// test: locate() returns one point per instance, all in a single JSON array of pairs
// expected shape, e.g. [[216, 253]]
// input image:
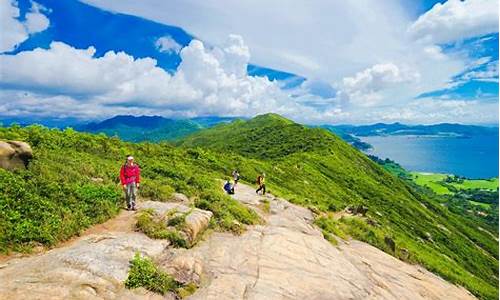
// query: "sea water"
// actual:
[[472, 157]]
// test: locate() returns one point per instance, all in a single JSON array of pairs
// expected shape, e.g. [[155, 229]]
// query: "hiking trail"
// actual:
[[284, 258]]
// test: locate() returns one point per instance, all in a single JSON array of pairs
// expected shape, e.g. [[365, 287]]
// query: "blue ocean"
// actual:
[[472, 157]]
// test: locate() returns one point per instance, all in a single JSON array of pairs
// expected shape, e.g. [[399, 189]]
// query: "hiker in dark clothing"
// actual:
[[261, 182], [228, 187], [130, 176]]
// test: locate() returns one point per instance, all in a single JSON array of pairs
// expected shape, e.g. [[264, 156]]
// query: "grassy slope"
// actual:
[[315, 168], [57, 197], [432, 180]]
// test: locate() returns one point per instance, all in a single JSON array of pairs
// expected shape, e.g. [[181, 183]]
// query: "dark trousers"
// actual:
[[262, 188]]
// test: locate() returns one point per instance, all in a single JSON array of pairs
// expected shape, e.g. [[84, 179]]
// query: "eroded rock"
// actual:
[[93, 268], [196, 220], [14, 154]]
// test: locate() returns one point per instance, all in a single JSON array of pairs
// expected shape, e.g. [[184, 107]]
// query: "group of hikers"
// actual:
[[261, 183], [130, 177]]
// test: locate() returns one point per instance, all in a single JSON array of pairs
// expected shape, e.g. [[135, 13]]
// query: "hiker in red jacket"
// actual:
[[130, 176]]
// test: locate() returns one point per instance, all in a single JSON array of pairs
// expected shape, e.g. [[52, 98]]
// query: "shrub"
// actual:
[[144, 273], [155, 227]]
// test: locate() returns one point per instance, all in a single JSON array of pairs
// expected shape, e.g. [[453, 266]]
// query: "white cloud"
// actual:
[[490, 73], [14, 31], [456, 20], [207, 82], [316, 39], [168, 45], [429, 111], [327, 40], [364, 87]]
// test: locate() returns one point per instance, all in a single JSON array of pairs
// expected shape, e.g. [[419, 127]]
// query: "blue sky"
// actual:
[[405, 61]]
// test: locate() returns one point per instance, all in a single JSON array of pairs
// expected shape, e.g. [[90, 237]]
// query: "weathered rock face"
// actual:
[[14, 154], [92, 268], [288, 258]]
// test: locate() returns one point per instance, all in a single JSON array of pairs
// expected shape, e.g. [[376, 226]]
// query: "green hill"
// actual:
[[72, 183], [314, 168]]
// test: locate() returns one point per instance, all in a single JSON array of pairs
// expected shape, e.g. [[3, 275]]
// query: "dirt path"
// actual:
[[123, 222]]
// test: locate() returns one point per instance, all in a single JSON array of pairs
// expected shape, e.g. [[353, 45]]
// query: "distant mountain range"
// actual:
[[151, 128], [157, 128]]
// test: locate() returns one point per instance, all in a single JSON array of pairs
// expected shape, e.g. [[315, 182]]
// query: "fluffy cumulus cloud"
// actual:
[[456, 20], [372, 60], [167, 44], [430, 111], [15, 31], [209, 81], [364, 88]]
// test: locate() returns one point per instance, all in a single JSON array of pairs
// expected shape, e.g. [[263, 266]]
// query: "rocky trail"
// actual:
[[285, 258]]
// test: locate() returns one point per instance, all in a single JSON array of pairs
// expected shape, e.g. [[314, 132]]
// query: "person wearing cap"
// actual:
[[130, 176]]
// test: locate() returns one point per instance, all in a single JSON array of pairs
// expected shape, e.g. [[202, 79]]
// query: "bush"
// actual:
[[229, 213], [144, 273], [155, 227]]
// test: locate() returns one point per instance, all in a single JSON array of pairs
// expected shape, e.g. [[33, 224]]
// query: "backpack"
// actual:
[[258, 179]]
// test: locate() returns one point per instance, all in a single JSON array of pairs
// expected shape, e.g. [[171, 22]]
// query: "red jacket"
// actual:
[[130, 174]]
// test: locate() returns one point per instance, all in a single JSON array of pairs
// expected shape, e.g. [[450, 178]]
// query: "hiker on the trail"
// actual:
[[228, 187], [236, 177], [261, 182], [130, 176]]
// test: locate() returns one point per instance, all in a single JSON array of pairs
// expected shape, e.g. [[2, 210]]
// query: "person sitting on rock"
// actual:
[[130, 176], [228, 187], [261, 182]]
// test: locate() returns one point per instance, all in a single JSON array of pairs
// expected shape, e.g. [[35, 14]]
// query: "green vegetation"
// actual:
[[57, 196], [475, 199], [316, 169], [309, 166], [446, 184], [432, 181], [144, 273], [156, 227]]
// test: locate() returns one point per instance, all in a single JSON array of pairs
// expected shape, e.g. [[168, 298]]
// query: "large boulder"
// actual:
[[14, 154]]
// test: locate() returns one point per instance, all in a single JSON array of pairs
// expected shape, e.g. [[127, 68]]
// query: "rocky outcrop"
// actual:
[[92, 268], [285, 258], [14, 154], [288, 258], [195, 220]]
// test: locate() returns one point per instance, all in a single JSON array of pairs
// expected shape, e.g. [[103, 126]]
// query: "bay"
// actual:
[[471, 157]]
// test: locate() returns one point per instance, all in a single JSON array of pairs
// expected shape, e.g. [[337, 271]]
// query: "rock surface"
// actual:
[[289, 259], [92, 268], [197, 220], [14, 154], [286, 258]]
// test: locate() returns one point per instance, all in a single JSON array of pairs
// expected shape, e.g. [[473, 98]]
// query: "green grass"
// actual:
[[155, 226], [432, 181], [55, 198], [437, 183], [487, 184], [144, 273], [483, 205]]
